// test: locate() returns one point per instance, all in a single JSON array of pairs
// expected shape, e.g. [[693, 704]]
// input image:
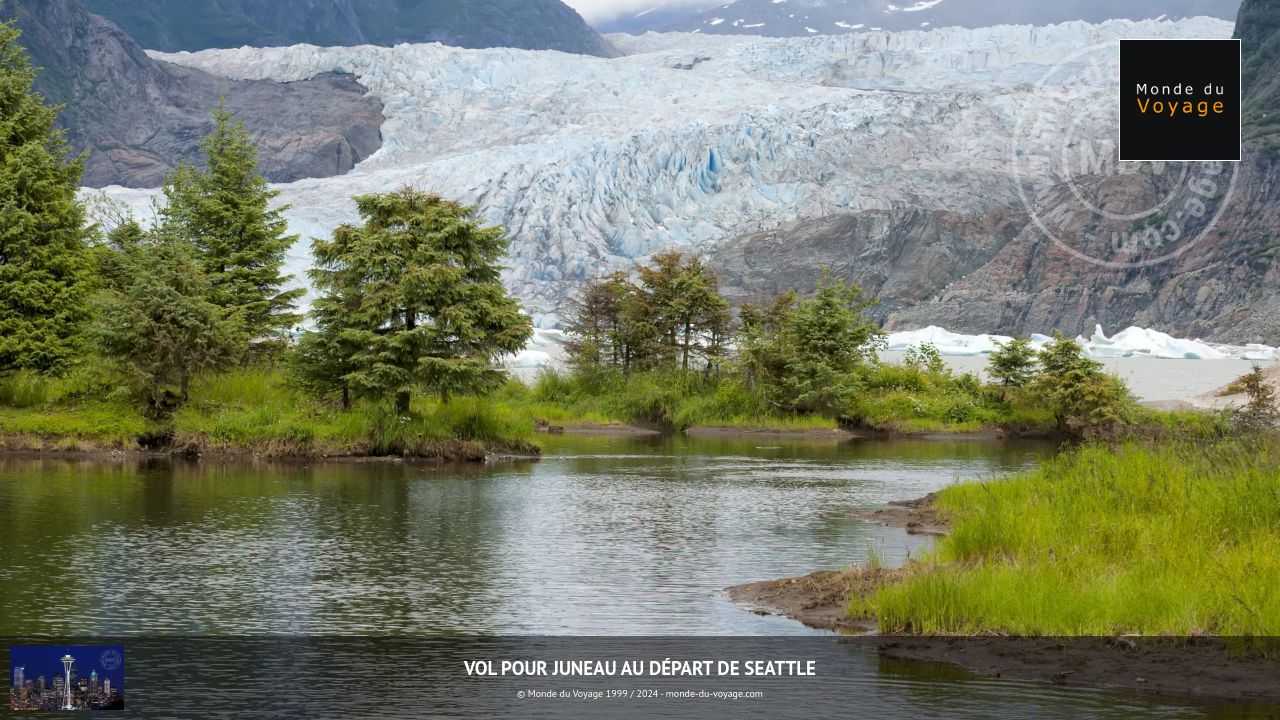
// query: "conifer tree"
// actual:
[[325, 356], [43, 250], [592, 329], [1013, 364], [422, 299], [611, 326], [806, 354], [823, 342], [1086, 401], [224, 211], [1260, 410], [157, 322], [686, 308]]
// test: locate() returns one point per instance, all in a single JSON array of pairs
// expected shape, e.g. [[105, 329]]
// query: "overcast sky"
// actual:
[[596, 10]]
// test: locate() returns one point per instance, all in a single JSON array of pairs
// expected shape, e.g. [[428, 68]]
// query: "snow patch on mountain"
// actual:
[[916, 7], [593, 164], [795, 19]]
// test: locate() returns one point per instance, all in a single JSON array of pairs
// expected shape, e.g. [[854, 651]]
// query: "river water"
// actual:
[[607, 536]]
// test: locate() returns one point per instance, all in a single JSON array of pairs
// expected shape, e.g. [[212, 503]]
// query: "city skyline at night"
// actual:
[[38, 677]]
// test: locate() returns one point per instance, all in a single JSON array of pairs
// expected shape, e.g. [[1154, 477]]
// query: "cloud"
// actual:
[[598, 10]]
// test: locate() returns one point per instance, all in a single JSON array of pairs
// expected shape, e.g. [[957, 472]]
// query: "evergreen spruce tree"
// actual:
[[325, 356], [113, 255], [224, 211], [1013, 364], [1086, 401], [686, 309], [612, 326], [43, 251], [1260, 411], [421, 296], [759, 355], [156, 320], [823, 342], [806, 354], [592, 329]]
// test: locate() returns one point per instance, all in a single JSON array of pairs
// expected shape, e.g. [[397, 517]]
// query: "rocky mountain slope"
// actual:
[[1220, 279], [138, 117], [172, 25], [659, 13], [1224, 286], [798, 18], [694, 140], [899, 255], [1259, 31]]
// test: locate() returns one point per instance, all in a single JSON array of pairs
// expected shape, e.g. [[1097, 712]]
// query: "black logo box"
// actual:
[[1189, 66]]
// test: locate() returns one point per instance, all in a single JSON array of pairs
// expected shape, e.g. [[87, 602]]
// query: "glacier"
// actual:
[[595, 164]]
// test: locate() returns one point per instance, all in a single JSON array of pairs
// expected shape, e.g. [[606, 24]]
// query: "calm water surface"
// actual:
[[602, 537]]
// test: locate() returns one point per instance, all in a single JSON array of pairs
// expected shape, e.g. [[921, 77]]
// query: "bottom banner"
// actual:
[[658, 677]]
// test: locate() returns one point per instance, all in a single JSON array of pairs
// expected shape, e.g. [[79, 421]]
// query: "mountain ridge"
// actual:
[[801, 18], [193, 25], [138, 117]]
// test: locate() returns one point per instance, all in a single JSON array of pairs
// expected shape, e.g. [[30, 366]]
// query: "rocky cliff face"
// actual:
[[174, 25], [1219, 281], [138, 117], [1259, 31], [898, 256], [1224, 287]]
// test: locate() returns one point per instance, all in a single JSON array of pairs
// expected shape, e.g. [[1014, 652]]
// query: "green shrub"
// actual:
[[926, 358], [1086, 402], [896, 377], [1260, 411]]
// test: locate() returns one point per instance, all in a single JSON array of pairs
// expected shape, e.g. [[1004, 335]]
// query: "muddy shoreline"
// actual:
[[1209, 669], [449, 454], [770, 434], [917, 517], [700, 431]]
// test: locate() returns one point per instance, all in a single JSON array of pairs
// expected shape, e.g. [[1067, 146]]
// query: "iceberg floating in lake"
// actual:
[[947, 343], [530, 359], [1130, 342]]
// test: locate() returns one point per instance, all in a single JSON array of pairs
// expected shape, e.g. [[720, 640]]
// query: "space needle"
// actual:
[[67, 663]]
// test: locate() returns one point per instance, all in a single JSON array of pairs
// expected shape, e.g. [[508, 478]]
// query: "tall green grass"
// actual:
[[87, 406], [906, 398], [27, 389], [256, 408], [669, 399], [1175, 539], [251, 410]]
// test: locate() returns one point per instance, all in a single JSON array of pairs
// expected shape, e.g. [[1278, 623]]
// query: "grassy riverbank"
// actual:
[[1172, 539], [251, 411], [672, 401], [893, 399], [258, 411]]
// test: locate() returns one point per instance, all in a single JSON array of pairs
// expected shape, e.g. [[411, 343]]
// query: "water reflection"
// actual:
[[604, 536]]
